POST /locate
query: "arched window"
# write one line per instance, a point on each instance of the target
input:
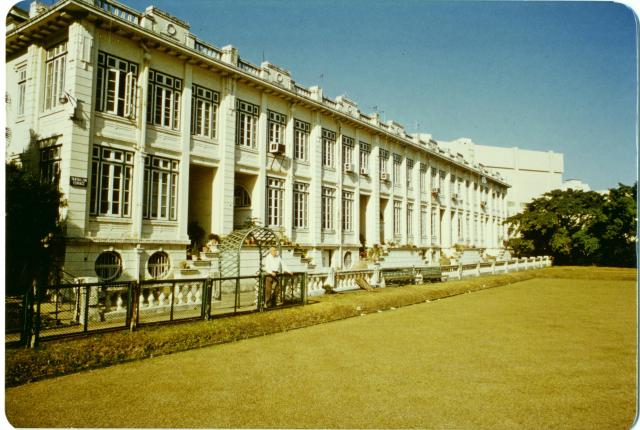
(347, 260)
(241, 198)
(108, 266)
(158, 264)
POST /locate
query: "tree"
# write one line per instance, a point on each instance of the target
(577, 227)
(33, 229)
(618, 233)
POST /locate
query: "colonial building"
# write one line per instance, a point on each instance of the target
(148, 129)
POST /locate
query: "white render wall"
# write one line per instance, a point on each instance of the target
(218, 164)
(530, 173)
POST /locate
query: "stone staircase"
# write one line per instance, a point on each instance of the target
(207, 263)
(395, 258)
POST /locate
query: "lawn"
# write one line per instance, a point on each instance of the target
(542, 353)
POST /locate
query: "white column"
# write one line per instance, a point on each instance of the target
(373, 206)
(356, 194)
(185, 156)
(315, 188)
(260, 191)
(288, 187)
(222, 211)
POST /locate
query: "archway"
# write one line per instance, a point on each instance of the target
(230, 261)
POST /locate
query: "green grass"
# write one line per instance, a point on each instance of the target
(61, 357)
(547, 352)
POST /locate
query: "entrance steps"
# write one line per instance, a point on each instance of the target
(207, 263)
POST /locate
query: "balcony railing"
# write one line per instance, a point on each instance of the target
(301, 91)
(249, 68)
(208, 50)
(119, 10)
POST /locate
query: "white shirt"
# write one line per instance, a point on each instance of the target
(274, 264)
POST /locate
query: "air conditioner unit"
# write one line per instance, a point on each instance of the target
(435, 191)
(276, 148)
(384, 176)
(364, 171)
(348, 167)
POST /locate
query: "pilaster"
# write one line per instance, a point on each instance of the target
(373, 206)
(185, 144)
(222, 213)
(315, 187)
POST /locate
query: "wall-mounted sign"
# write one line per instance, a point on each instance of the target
(77, 181)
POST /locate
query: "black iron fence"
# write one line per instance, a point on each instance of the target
(77, 309)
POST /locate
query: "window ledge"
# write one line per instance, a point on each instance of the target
(159, 222)
(53, 111)
(161, 129)
(109, 219)
(115, 118)
(205, 140)
(246, 149)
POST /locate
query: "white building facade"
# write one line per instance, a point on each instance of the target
(530, 173)
(147, 129)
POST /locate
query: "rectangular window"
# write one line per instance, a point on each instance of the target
(434, 179)
(328, 196)
(397, 162)
(423, 179)
(204, 111)
(466, 193)
(116, 86)
(441, 180)
(54, 75)
(409, 219)
(365, 150)
(22, 88)
(276, 125)
(424, 220)
(397, 218)
(246, 124)
(475, 229)
(347, 153)
(301, 132)
(409, 174)
(474, 195)
(275, 202)
(452, 187)
(160, 188)
(111, 178)
(328, 147)
(383, 160)
(434, 224)
(300, 205)
(163, 101)
(50, 160)
(347, 211)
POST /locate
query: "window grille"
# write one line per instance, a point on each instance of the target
(108, 266)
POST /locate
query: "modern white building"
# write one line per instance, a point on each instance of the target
(530, 173)
(147, 128)
(575, 184)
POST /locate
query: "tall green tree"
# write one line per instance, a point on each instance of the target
(33, 229)
(577, 227)
(618, 235)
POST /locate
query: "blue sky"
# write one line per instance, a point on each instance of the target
(557, 76)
